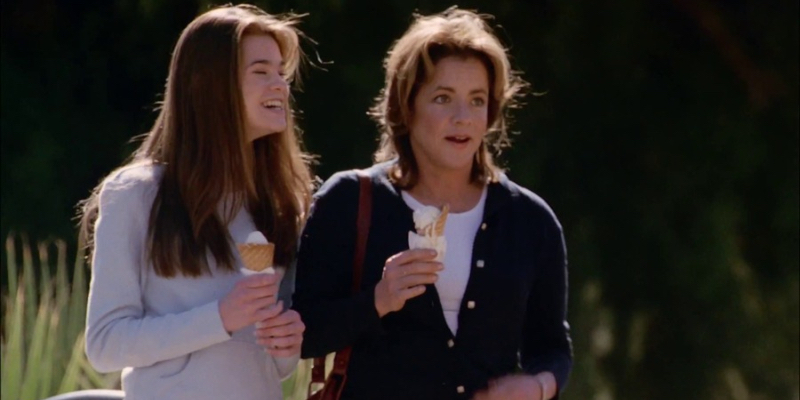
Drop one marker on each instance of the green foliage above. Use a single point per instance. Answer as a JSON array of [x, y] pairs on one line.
[[42, 340], [296, 386]]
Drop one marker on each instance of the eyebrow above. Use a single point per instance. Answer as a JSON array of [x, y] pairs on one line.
[[449, 89], [267, 62]]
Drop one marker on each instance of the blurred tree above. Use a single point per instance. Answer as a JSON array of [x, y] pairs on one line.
[[664, 134]]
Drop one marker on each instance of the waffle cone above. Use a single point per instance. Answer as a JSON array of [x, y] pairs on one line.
[[438, 227], [256, 257]]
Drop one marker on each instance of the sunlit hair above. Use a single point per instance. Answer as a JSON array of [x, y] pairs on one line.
[[199, 140], [411, 62]]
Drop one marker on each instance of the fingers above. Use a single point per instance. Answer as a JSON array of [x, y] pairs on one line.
[[280, 331], [416, 280], [255, 307], [259, 280], [268, 312], [288, 352], [290, 316], [398, 271], [283, 342], [251, 290], [405, 276], [281, 335], [407, 256], [411, 292], [278, 343]]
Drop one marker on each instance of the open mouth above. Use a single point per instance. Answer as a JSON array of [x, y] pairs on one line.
[[457, 139], [276, 105]]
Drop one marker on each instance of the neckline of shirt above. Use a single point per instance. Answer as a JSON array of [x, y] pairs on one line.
[[415, 204]]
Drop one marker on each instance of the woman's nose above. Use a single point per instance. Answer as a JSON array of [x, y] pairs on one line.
[[462, 115], [279, 84]]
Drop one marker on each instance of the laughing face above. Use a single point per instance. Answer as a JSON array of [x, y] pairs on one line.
[[264, 89], [450, 114]]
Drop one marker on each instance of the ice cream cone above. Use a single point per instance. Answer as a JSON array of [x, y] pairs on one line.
[[257, 257], [429, 223], [438, 227]]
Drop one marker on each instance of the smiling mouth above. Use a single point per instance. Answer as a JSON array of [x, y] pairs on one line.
[[273, 105]]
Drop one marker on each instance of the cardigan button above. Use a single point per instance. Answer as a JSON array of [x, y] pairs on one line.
[[470, 304], [451, 343], [480, 263], [460, 389], [483, 226]]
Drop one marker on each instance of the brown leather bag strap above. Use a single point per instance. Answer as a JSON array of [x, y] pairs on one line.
[[341, 360], [318, 370], [363, 220]]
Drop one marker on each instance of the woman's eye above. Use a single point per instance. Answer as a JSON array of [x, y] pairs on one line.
[[259, 72], [478, 101], [441, 99]]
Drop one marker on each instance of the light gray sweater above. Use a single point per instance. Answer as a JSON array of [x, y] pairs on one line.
[[166, 335]]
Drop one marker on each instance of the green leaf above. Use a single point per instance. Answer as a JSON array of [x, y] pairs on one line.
[[77, 304], [13, 350], [47, 368], [11, 258], [36, 357], [44, 266], [29, 282], [72, 374]]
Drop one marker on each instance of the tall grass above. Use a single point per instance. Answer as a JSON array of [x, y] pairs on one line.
[[41, 343]]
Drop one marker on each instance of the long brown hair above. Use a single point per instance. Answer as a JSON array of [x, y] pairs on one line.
[[411, 61], [198, 138]]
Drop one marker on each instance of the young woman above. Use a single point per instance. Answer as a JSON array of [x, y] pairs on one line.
[[488, 321], [168, 304]]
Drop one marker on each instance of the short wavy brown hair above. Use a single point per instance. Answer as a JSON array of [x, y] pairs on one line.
[[411, 61]]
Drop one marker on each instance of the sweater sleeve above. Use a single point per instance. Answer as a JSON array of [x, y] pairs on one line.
[[119, 333], [546, 344], [334, 317]]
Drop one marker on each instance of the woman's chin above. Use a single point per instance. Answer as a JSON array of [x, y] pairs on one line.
[[262, 133]]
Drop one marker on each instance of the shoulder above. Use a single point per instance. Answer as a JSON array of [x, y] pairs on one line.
[[132, 183], [345, 183], [140, 174], [338, 187], [527, 201]]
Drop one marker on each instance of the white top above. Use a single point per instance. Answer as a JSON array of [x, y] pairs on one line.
[[459, 231], [166, 334]]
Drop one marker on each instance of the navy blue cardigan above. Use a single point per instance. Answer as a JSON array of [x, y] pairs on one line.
[[512, 317]]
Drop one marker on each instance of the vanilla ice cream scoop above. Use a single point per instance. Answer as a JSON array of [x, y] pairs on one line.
[[429, 222], [425, 217], [256, 238]]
